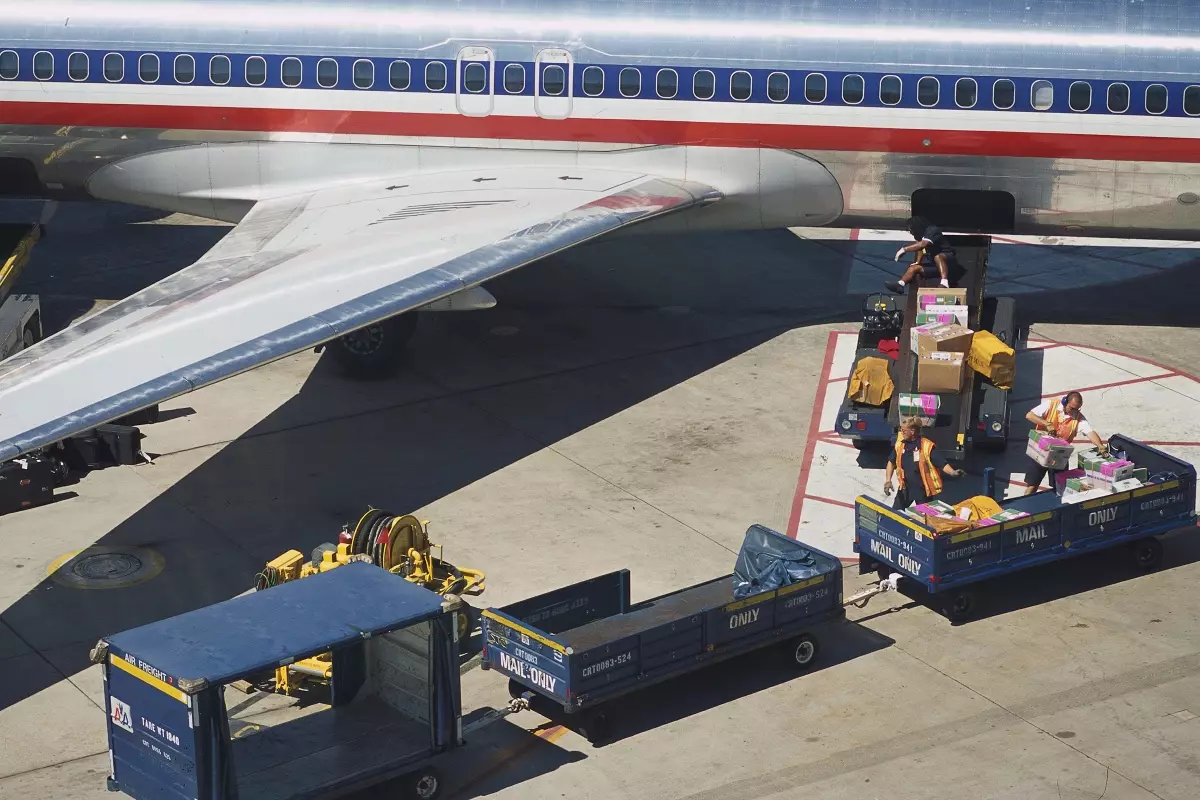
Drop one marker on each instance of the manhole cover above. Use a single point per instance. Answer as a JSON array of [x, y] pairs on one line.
[[106, 567]]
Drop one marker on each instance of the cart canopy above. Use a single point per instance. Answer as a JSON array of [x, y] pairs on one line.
[[261, 630]]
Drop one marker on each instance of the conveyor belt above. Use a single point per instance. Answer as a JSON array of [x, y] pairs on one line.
[[955, 413]]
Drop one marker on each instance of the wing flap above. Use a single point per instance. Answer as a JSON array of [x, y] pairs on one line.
[[304, 269]]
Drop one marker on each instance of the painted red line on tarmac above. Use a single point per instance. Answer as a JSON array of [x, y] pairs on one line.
[[810, 443], [838, 441], [1097, 387], [1170, 444], [831, 502], [839, 380], [1111, 352]]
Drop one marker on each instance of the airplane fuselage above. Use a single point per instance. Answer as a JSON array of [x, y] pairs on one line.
[[1027, 122]]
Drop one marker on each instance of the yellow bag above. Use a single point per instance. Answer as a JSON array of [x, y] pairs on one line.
[[870, 384], [992, 359], [981, 507], [942, 525]]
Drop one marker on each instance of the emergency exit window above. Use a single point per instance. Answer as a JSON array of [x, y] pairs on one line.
[[554, 80]]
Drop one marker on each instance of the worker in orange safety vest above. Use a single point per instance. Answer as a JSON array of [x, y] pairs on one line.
[[1064, 419], [920, 467]]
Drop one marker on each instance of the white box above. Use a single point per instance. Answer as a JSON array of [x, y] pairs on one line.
[[1126, 485], [959, 313]]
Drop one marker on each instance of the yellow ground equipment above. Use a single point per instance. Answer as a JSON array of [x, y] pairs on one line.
[[398, 543]]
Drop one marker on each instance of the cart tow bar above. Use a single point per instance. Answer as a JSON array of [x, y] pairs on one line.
[[516, 705], [863, 596]]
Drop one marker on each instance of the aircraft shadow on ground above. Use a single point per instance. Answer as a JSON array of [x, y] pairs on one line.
[[570, 367], [601, 329]]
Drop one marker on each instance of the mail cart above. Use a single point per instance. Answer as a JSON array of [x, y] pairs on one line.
[[177, 730]]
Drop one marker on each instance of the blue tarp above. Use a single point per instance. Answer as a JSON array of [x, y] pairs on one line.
[[257, 631], [769, 560]]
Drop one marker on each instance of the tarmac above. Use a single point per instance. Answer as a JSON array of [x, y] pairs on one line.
[[638, 403]]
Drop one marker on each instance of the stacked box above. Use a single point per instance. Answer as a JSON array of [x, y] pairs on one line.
[[941, 297], [1049, 451], [924, 406], [1079, 497], [959, 313], [940, 373], [983, 523], [1126, 485], [1006, 514], [918, 329], [943, 339], [935, 508], [1078, 485], [1141, 474], [1113, 471], [1090, 462], [934, 319], [1064, 478]]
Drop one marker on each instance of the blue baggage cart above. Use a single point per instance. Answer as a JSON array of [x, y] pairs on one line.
[[393, 705], [950, 565], [585, 644]]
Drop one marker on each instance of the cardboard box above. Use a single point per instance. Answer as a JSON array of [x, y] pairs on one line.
[[1044, 441], [935, 319], [960, 313], [1079, 497], [1055, 457], [1126, 485], [944, 339], [941, 297], [1006, 514], [1064, 478], [941, 372], [1141, 474], [923, 406], [916, 330], [935, 508]]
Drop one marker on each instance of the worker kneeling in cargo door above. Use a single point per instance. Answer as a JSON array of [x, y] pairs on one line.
[[1060, 419], [917, 464], [935, 260]]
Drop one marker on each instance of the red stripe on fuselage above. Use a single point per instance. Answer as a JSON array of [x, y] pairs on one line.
[[609, 131]]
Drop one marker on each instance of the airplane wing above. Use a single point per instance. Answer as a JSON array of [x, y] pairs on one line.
[[306, 268]]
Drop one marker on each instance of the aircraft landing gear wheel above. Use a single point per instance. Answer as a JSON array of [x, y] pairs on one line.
[[376, 351], [801, 652], [1147, 554], [424, 784]]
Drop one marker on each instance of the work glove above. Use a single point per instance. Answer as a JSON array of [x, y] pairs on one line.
[[900, 254], [945, 283]]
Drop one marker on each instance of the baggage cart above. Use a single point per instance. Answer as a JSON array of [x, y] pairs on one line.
[[393, 705], [585, 644], [951, 565]]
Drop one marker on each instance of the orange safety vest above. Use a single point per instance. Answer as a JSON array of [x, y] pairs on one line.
[[929, 474], [1062, 424]]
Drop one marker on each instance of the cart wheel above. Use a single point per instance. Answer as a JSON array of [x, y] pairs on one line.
[[1147, 554], [466, 621], [595, 726], [802, 651], [961, 605], [424, 784]]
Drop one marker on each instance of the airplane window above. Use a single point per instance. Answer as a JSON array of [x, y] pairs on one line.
[[966, 92], [593, 81], [220, 70], [630, 82], [1004, 94], [291, 72], [43, 65], [1118, 98], [853, 89], [554, 80], [327, 73], [1080, 96], [1042, 95], [435, 76], [514, 78], [741, 84], [1156, 98], [778, 87], [475, 78], [256, 70], [364, 73], [815, 87], [77, 66], [891, 88], [928, 91], [185, 69], [667, 83], [148, 67], [399, 75], [1191, 101], [10, 65], [704, 84]]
